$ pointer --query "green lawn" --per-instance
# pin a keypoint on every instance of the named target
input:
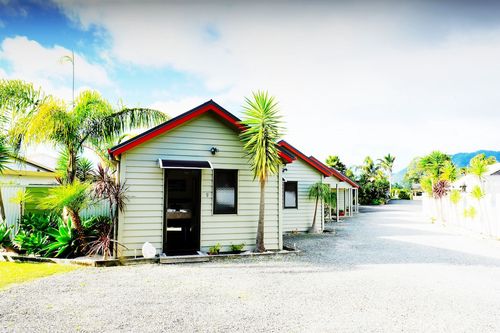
(11, 272)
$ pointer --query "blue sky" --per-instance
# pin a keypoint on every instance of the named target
(353, 78)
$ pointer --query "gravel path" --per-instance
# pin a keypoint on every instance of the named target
(385, 270)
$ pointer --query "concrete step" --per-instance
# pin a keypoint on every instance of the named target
(183, 259)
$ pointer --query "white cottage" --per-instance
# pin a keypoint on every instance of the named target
(298, 177)
(190, 186)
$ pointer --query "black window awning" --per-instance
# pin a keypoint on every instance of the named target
(181, 164)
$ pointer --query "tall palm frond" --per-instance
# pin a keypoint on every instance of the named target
(262, 130)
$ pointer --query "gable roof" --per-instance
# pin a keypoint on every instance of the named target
(303, 157)
(36, 165)
(207, 107)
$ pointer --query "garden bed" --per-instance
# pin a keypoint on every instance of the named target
(125, 261)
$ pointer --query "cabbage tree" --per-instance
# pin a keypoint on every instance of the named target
(263, 129)
(318, 191)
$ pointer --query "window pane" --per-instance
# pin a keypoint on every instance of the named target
(290, 194)
(225, 189)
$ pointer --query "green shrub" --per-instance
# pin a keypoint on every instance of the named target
(404, 194)
(63, 241)
(237, 247)
(5, 233)
(38, 222)
(31, 242)
(214, 249)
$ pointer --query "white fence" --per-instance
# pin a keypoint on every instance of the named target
(13, 210)
(479, 216)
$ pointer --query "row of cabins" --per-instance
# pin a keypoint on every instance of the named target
(190, 187)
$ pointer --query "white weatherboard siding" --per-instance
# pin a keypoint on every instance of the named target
(300, 218)
(143, 217)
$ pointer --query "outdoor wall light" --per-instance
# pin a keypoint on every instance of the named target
(214, 150)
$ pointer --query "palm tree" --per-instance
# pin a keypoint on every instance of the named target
(74, 197)
(92, 118)
(478, 166)
(318, 191)
(369, 169)
(333, 161)
(263, 129)
(17, 99)
(5, 155)
(387, 164)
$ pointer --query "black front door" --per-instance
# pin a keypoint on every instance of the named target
(182, 211)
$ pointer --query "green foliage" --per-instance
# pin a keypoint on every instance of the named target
(5, 234)
(404, 194)
(32, 242)
(333, 161)
(21, 197)
(263, 129)
(478, 165)
(75, 196)
(331, 199)
(449, 172)
(455, 196)
(214, 249)
(84, 167)
(426, 184)
(5, 155)
(373, 192)
(237, 247)
(387, 163)
(471, 212)
(319, 191)
(477, 193)
(413, 173)
(432, 165)
(90, 120)
(63, 243)
(31, 222)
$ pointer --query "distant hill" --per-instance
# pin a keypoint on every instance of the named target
(459, 159)
(462, 159)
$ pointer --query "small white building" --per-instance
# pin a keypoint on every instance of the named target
(23, 174)
(190, 187)
(298, 177)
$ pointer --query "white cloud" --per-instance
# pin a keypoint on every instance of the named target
(28, 60)
(351, 80)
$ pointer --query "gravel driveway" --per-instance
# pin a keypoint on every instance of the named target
(385, 270)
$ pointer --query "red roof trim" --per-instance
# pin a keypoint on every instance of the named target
(285, 157)
(175, 122)
(181, 119)
(321, 165)
(306, 159)
(335, 172)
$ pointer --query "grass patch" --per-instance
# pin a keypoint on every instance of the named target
(13, 272)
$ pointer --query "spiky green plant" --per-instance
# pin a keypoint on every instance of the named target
(74, 197)
(263, 128)
(477, 193)
(5, 233)
(64, 241)
(318, 191)
(455, 196)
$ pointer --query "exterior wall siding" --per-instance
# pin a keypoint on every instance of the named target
(300, 218)
(142, 219)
